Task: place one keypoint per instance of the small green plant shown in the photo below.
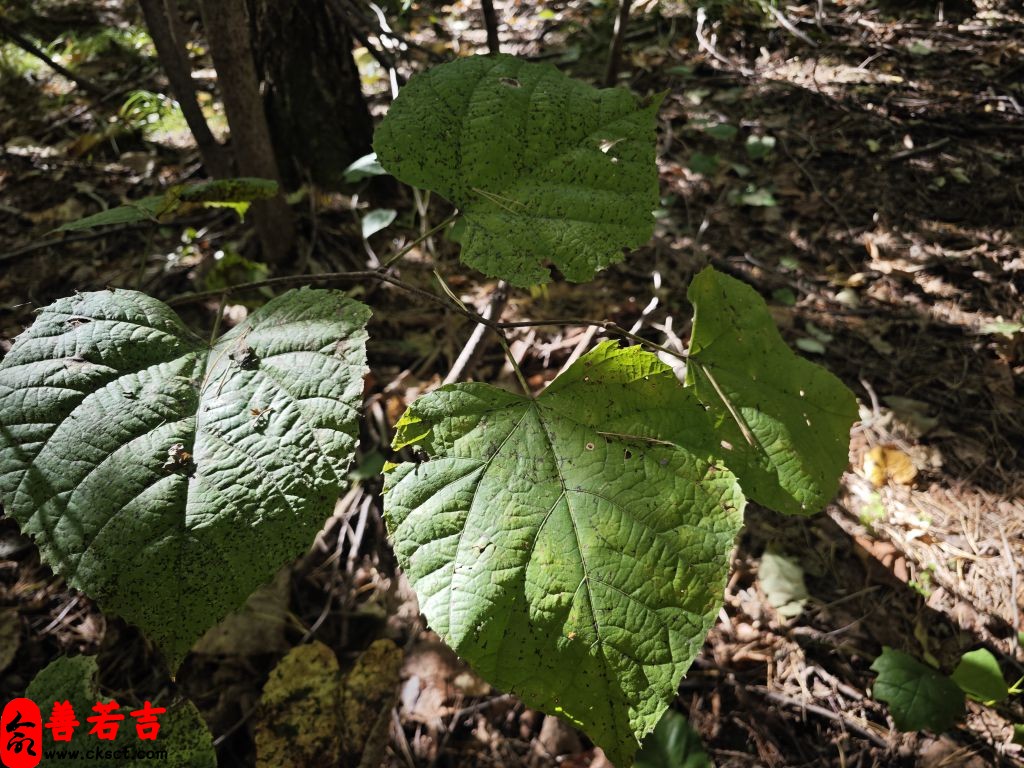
(920, 696)
(572, 545)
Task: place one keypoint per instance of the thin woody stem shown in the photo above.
(512, 359)
(385, 277)
(396, 256)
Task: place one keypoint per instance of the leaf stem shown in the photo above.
(382, 275)
(396, 256)
(512, 359)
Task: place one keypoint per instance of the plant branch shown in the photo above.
(8, 31)
(611, 73)
(396, 256)
(384, 276)
(165, 27)
(491, 23)
(515, 365)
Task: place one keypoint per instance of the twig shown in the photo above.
(787, 24)
(611, 72)
(6, 30)
(913, 151)
(839, 717)
(383, 276)
(164, 22)
(396, 256)
(491, 23)
(471, 352)
(708, 46)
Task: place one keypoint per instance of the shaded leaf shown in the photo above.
(233, 193)
(543, 167)
(782, 579)
(787, 421)
(706, 165)
(368, 694)
(672, 744)
(573, 548)
(299, 718)
(167, 478)
(918, 696)
(759, 147)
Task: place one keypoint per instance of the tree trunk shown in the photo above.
(318, 118)
(227, 27)
(165, 27)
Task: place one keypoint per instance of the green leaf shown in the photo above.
(363, 168)
(183, 734)
(721, 131)
(782, 579)
(1002, 327)
(1018, 734)
(918, 696)
(759, 147)
(573, 548)
(225, 191)
(166, 478)
(543, 167)
(148, 208)
(785, 420)
(754, 196)
(979, 676)
(673, 744)
(221, 193)
(705, 165)
(376, 220)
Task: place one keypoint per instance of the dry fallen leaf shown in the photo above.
(885, 463)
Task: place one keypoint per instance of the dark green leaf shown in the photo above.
(544, 168)
(918, 696)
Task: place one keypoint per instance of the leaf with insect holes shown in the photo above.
(573, 548)
(918, 696)
(167, 478)
(784, 421)
(544, 168)
(182, 733)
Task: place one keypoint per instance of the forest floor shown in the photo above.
(860, 164)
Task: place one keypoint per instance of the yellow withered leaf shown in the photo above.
(883, 464)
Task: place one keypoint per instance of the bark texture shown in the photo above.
(227, 27)
(318, 118)
(165, 27)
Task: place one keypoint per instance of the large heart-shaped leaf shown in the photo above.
(167, 478)
(543, 167)
(573, 548)
(785, 421)
(182, 735)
